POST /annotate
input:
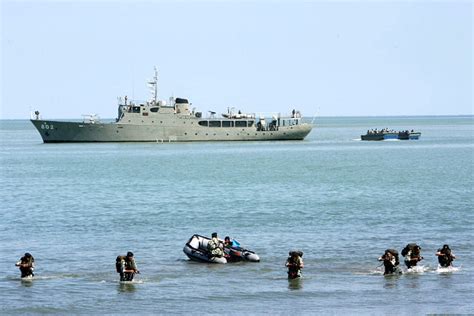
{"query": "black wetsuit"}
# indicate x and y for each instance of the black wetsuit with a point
(28, 270)
(446, 258)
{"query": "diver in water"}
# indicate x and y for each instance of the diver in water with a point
(126, 266)
(294, 263)
(412, 254)
(390, 262)
(26, 265)
(445, 256)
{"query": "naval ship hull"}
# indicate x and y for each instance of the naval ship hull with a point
(66, 132)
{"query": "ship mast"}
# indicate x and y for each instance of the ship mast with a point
(154, 87)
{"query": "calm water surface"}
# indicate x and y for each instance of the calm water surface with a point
(75, 207)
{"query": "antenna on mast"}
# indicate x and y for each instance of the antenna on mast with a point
(154, 86)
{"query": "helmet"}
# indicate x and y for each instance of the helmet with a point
(214, 235)
(27, 254)
(129, 254)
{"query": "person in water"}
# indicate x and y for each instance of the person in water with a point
(412, 254)
(26, 265)
(390, 262)
(215, 247)
(445, 256)
(129, 267)
(294, 263)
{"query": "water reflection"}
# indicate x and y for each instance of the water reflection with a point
(391, 281)
(27, 282)
(126, 287)
(295, 284)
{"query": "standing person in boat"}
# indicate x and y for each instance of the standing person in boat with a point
(130, 267)
(390, 262)
(412, 254)
(26, 265)
(215, 247)
(294, 263)
(445, 256)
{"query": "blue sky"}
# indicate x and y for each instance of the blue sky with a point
(343, 58)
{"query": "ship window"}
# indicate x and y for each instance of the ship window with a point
(250, 123)
(227, 123)
(154, 110)
(240, 123)
(203, 123)
(214, 123)
(136, 109)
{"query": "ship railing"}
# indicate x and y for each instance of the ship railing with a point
(133, 102)
(280, 119)
(90, 118)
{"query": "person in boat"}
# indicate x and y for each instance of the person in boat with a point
(26, 264)
(390, 262)
(215, 247)
(445, 256)
(294, 263)
(227, 248)
(412, 254)
(129, 267)
(232, 250)
(227, 242)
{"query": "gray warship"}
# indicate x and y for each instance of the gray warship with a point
(158, 121)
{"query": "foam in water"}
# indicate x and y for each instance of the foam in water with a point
(449, 269)
(417, 269)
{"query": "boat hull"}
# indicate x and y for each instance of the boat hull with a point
(390, 135)
(237, 254)
(176, 131)
(372, 137)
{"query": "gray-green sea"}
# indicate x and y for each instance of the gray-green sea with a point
(340, 200)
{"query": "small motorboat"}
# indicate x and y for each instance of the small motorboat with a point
(196, 249)
(385, 134)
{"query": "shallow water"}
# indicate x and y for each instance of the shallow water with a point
(342, 201)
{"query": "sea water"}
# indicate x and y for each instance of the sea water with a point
(340, 200)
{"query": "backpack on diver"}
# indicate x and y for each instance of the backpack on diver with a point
(119, 264)
(407, 248)
(395, 254)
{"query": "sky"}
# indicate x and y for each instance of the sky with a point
(326, 58)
